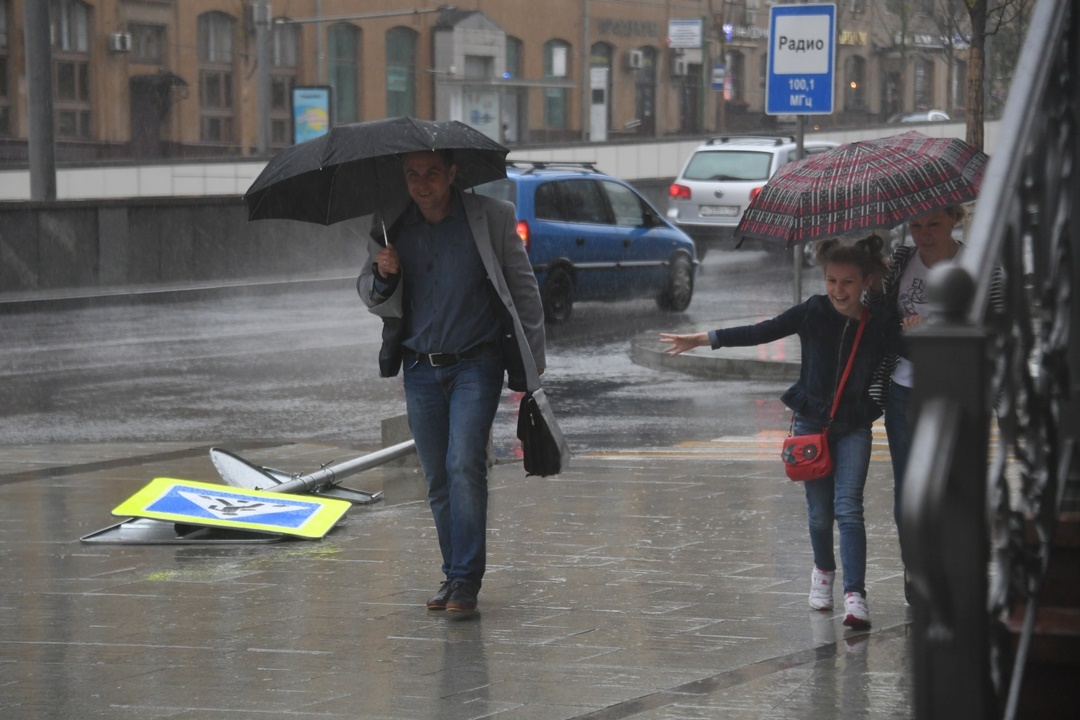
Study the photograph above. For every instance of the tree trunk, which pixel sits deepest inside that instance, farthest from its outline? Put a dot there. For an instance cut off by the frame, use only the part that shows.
(976, 98)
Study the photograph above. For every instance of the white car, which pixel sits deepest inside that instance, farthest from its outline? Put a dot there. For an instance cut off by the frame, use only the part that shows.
(928, 116)
(719, 179)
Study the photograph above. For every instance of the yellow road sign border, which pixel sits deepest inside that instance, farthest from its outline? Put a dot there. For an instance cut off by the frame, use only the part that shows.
(329, 512)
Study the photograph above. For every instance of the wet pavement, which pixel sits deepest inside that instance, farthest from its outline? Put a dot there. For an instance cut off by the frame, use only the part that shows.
(628, 587)
(646, 583)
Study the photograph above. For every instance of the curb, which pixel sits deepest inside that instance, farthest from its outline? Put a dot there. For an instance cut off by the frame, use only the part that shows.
(712, 364)
(78, 298)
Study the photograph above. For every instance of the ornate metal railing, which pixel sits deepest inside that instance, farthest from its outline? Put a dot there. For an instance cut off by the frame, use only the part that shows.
(999, 356)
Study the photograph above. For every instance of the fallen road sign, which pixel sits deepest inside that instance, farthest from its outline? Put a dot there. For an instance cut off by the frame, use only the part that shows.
(198, 503)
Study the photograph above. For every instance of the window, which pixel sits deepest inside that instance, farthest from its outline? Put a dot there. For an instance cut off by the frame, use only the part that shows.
(5, 97)
(285, 43)
(479, 67)
(548, 203)
(734, 87)
(343, 41)
(514, 52)
(71, 67)
(645, 93)
(556, 99)
(924, 83)
(216, 108)
(400, 72)
(627, 207)
(515, 99)
(855, 83)
(583, 202)
(147, 44)
(741, 165)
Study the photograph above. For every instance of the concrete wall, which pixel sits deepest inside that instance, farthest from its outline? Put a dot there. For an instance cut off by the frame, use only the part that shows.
(102, 243)
(141, 234)
(629, 161)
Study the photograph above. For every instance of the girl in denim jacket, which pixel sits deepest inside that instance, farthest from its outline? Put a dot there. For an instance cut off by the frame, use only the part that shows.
(826, 326)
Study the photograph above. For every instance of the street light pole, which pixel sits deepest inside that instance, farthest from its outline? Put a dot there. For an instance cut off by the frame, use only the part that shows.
(586, 69)
(41, 144)
(320, 62)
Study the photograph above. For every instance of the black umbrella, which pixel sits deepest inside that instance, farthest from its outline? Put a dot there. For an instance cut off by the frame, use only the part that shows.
(353, 170)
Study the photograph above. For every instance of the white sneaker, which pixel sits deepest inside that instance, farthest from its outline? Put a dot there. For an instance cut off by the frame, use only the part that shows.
(856, 611)
(821, 583)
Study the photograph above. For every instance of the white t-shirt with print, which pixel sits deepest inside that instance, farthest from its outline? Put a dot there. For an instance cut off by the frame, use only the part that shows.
(912, 300)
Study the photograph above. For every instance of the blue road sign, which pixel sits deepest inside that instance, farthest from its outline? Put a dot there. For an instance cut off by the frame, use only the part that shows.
(802, 60)
(196, 503)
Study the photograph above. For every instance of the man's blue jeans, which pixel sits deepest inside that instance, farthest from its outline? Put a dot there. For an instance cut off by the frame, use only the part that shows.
(898, 430)
(839, 498)
(451, 410)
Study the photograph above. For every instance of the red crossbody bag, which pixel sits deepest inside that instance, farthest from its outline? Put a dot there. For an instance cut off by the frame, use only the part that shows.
(807, 457)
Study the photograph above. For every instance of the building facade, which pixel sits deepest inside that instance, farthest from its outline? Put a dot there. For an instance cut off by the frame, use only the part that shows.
(143, 79)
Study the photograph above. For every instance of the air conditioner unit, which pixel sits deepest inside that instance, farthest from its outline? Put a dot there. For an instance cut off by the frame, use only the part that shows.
(120, 42)
(679, 67)
(635, 59)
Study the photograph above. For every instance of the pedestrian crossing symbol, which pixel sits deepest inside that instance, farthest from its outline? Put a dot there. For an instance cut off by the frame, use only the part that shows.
(198, 503)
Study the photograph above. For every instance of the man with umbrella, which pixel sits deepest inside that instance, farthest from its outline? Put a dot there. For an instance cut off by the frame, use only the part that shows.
(455, 282)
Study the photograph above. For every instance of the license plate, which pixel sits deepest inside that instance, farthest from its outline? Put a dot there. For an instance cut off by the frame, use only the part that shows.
(719, 210)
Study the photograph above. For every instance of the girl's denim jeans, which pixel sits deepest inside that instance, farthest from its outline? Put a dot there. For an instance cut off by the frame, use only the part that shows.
(839, 498)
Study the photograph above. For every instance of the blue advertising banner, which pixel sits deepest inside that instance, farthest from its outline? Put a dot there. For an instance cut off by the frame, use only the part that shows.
(311, 112)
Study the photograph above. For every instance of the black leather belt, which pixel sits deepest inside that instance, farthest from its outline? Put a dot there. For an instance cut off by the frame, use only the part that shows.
(444, 359)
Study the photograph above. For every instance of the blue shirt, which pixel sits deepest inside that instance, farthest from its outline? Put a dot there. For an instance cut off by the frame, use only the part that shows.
(448, 297)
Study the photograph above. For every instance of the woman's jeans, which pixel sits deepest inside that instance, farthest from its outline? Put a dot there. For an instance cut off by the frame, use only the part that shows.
(839, 498)
(898, 430)
(451, 410)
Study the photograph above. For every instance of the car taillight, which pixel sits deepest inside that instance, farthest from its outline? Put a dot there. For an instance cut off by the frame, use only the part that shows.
(523, 233)
(755, 192)
(679, 192)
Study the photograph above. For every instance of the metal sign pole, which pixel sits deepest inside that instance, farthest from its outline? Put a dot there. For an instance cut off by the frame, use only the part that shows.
(796, 250)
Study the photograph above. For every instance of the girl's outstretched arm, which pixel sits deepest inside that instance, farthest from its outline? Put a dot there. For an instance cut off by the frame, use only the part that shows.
(677, 344)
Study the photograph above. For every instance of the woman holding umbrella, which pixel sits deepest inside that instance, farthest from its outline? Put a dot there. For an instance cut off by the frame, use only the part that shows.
(904, 288)
(827, 326)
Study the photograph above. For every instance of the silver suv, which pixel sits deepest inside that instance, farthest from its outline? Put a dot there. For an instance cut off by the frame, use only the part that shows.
(711, 193)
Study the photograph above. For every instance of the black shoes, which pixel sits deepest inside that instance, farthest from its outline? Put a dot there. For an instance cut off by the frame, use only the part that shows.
(457, 597)
(438, 600)
(462, 600)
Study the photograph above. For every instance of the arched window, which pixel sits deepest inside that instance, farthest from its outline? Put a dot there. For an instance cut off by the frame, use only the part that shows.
(343, 70)
(556, 99)
(71, 67)
(400, 72)
(285, 45)
(855, 83)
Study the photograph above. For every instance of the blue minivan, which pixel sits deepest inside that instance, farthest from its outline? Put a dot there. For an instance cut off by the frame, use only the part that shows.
(593, 237)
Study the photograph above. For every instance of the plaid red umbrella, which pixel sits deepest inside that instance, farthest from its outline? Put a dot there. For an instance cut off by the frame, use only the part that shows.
(862, 187)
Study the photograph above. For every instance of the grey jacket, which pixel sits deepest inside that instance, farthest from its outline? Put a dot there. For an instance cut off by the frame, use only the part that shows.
(493, 224)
